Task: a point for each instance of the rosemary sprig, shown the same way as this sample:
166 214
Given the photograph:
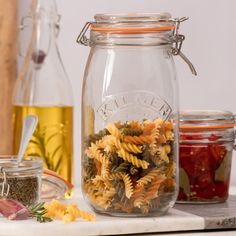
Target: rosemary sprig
38 211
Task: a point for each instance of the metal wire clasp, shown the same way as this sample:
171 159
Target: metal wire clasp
82 39
5 187
178 41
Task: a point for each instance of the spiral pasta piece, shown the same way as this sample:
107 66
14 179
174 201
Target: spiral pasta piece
152 191
123 167
134 124
129 147
103 182
138 196
124 208
169 125
148 128
67 213
55 209
132 159
148 177
129 189
159 122
98 182
155 134
169 135
105 168
104 201
115 175
142 139
163 154
75 212
113 130
86 215
68 218
94 152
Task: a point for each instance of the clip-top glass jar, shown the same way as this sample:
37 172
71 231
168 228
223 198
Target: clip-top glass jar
21 181
206 145
130 114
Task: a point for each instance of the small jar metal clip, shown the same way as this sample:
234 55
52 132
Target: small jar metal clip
5 187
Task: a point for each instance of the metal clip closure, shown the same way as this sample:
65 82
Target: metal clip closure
177 41
82 39
177 44
5 187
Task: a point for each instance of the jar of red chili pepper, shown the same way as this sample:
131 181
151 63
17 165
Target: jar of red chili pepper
206 145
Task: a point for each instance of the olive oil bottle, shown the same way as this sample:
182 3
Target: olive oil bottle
52 139
43 89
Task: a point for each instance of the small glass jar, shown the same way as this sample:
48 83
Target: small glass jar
206 146
21 182
130 114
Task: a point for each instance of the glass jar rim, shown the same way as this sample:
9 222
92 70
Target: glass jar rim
129 23
10 165
206 119
132 17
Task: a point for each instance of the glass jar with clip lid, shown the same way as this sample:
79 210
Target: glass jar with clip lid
130 113
21 181
206 147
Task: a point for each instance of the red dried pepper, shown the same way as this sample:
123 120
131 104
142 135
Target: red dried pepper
201 179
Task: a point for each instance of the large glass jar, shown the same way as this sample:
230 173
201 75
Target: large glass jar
130 114
206 146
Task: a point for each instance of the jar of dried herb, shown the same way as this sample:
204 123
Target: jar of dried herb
206 146
21 182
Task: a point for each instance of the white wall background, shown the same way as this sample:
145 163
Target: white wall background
210 44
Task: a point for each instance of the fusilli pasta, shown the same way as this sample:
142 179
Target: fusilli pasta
129 167
132 159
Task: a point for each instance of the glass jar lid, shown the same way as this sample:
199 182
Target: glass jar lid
137 29
128 17
133 23
54 186
10 165
206 119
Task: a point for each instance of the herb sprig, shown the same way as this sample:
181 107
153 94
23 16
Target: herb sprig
38 211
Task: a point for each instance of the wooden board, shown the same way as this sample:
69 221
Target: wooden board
8 42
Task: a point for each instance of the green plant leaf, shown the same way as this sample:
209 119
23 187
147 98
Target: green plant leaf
184 181
222 173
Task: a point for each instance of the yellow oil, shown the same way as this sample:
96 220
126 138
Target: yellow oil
52 139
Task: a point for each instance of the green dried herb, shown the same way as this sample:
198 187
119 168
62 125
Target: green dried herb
23 189
38 211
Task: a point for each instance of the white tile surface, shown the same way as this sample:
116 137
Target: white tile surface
174 221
